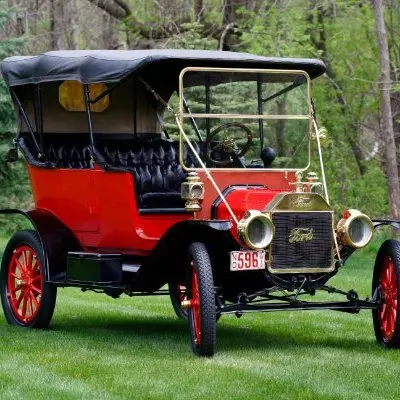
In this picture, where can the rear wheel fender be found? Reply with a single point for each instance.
(54, 237)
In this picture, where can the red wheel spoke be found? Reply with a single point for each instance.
(34, 299)
(24, 304)
(387, 312)
(16, 289)
(20, 266)
(25, 260)
(34, 264)
(29, 260)
(392, 322)
(20, 298)
(196, 307)
(35, 289)
(28, 306)
(14, 275)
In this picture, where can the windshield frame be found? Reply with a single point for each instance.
(182, 114)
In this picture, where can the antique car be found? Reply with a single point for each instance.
(193, 169)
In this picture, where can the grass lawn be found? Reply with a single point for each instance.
(100, 348)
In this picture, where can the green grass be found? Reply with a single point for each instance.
(102, 348)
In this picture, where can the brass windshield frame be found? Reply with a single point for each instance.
(182, 114)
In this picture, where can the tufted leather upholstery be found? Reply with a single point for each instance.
(61, 151)
(154, 163)
(69, 156)
(155, 166)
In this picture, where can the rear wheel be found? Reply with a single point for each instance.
(27, 299)
(386, 282)
(201, 301)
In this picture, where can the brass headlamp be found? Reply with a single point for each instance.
(256, 230)
(355, 229)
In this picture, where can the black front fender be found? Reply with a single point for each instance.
(167, 260)
(385, 222)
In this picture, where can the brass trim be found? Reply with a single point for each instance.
(243, 227)
(318, 203)
(245, 116)
(300, 271)
(273, 207)
(343, 227)
(181, 114)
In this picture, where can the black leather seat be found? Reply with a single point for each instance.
(155, 166)
(153, 162)
(60, 151)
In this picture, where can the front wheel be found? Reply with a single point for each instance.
(27, 299)
(386, 284)
(201, 301)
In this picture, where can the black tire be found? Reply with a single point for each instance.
(386, 282)
(22, 277)
(176, 296)
(202, 313)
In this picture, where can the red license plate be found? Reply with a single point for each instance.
(247, 260)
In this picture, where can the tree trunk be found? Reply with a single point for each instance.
(386, 112)
(56, 12)
(228, 39)
(21, 23)
(71, 17)
(109, 33)
(198, 10)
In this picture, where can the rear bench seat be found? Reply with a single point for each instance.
(153, 162)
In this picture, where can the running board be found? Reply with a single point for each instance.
(98, 268)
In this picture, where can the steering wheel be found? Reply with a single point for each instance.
(227, 146)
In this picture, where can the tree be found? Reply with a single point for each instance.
(386, 112)
(14, 188)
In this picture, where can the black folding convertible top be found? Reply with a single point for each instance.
(89, 66)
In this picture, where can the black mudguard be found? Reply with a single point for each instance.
(56, 239)
(385, 222)
(167, 260)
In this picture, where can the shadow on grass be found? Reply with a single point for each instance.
(229, 338)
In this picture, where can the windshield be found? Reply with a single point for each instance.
(245, 119)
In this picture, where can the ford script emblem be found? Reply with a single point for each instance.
(300, 235)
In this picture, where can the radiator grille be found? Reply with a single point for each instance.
(302, 241)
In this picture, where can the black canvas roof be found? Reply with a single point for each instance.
(89, 66)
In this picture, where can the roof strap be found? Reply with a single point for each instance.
(156, 95)
(26, 121)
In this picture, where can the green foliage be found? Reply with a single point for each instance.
(191, 38)
(345, 100)
(14, 187)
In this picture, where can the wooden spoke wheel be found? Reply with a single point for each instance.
(386, 282)
(27, 299)
(201, 301)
